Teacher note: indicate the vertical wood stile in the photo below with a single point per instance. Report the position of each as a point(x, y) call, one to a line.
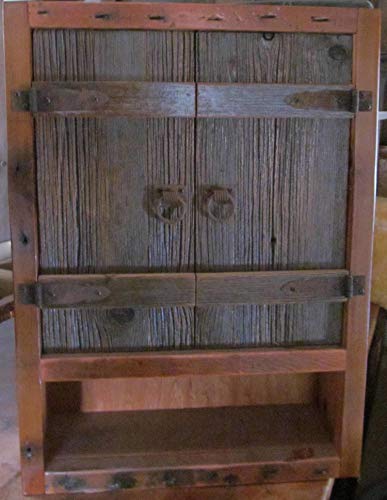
point(4, 222)
point(23, 214)
point(360, 235)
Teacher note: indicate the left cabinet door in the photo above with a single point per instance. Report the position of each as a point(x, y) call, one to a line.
point(100, 181)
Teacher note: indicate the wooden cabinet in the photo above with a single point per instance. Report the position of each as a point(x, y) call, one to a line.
point(192, 192)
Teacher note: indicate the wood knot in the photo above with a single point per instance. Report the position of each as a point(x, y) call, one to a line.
point(338, 53)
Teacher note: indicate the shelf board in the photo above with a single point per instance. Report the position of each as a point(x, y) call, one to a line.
point(73, 367)
point(190, 447)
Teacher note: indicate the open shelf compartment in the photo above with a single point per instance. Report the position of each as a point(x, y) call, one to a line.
point(188, 447)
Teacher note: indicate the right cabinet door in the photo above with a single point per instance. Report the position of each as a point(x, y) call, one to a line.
point(271, 192)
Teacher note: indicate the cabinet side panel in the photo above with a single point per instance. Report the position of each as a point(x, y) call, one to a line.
point(360, 240)
point(23, 215)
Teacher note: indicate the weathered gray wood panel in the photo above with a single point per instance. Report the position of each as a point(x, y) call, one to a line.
point(289, 178)
point(96, 179)
point(289, 181)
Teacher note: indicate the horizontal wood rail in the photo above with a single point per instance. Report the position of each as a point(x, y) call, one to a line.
point(92, 452)
point(190, 289)
point(224, 100)
point(72, 367)
point(120, 290)
point(193, 16)
point(277, 287)
point(277, 100)
point(135, 99)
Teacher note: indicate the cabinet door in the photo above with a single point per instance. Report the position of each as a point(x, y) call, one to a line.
point(288, 177)
point(97, 179)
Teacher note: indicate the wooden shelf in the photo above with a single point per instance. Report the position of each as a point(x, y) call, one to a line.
point(201, 447)
point(72, 367)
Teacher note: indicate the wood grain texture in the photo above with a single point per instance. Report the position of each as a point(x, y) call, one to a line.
point(202, 17)
point(274, 101)
point(181, 447)
point(132, 99)
point(25, 242)
point(94, 217)
point(4, 218)
point(271, 287)
point(289, 180)
point(199, 391)
point(312, 490)
point(114, 291)
point(243, 362)
point(360, 240)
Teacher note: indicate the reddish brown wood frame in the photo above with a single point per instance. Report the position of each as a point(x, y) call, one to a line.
point(360, 238)
point(20, 18)
point(201, 17)
point(23, 217)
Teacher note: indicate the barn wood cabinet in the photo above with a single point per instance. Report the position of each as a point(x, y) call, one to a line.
point(192, 193)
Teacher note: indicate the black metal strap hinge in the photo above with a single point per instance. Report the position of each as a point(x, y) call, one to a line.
point(50, 98)
point(361, 101)
point(30, 294)
point(355, 285)
point(24, 100)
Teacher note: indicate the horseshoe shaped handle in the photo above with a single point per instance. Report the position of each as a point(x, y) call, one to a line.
point(172, 201)
point(220, 204)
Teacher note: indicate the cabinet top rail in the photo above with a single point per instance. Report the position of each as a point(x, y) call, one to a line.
point(192, 16)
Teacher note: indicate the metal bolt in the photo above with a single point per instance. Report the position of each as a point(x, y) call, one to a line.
point(28, 452)
point(268, 36)
point(3, 163)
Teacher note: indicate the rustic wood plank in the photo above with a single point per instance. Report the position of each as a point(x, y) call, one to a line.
point(23, 215)
point(312, 490)
point(93, 217)
point(188, 289)
point(132, 99)
point(276, 169)
point(179, 392)
point(199, 17)
point(239, 362)
point(188, 447)
point(264, 100)
point(275, 287)
point(360, 236)
point(118, 291)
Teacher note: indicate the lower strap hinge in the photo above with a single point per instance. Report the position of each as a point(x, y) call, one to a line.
point(354, 286)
